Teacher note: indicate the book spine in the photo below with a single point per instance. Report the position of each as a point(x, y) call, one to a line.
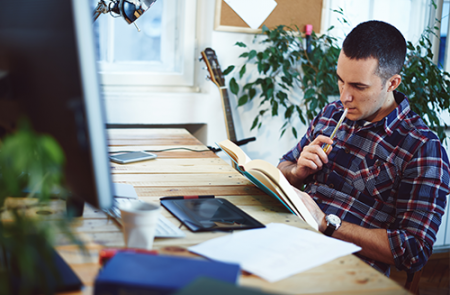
point(113, 288)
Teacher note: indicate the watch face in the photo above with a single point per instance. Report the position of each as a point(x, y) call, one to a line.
point(333, 219)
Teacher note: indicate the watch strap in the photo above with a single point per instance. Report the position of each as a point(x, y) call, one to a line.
point(329, 230)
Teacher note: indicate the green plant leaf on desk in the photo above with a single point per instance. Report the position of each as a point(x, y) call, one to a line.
point(29, 162)
point(31, 165)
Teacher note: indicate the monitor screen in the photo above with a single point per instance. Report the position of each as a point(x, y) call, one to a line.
point(48, 74)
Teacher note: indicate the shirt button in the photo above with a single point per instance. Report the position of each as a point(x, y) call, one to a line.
point(331, 185)
point(347, 151)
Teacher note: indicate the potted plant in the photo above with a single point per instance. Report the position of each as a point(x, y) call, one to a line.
point(30, 175)
point(273, 76)
point(286, 65)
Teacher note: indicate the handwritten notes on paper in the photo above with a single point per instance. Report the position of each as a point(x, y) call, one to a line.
point(275, 252)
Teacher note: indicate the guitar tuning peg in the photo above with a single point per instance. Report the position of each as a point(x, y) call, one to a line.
point(207, 78)
point(204, 68)
point(200, 58)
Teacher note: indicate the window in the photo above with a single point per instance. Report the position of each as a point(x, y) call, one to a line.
point(411, 21)
point(443, 35)
point(161, 54)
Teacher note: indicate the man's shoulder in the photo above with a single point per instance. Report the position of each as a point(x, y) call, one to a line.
point(421, 140)
point(414, 125)
point(411, 124)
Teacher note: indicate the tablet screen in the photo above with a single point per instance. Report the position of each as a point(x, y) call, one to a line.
point(210, 214)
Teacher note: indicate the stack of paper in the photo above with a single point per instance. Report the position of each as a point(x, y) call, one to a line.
point(275, 252)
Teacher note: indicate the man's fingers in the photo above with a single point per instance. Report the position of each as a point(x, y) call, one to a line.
point(311, 160)
point(321, 140)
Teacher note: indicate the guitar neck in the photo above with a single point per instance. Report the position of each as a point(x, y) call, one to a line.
point(227, 114)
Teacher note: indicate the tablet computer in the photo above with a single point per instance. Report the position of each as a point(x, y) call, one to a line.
point(209, 213)
point(130, 157)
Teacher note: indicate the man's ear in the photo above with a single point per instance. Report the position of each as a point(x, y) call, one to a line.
point(393, 82)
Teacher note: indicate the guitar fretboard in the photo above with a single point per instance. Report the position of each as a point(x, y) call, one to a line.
point(231, 132)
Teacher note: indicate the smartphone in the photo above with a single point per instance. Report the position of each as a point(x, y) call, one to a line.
point(130, 157)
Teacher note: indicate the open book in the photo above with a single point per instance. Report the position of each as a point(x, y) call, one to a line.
point(269, 179)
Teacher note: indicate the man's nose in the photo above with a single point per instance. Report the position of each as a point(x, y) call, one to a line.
point(346, 94)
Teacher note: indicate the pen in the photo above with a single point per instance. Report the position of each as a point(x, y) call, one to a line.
point(188, 197)
point(327, 146)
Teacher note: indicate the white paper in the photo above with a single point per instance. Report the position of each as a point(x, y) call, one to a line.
point(252, 12)
point(275, 252)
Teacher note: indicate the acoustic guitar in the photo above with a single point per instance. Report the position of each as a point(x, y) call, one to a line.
point(216, 76)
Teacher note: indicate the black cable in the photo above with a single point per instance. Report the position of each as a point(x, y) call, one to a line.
point(158, 151)
point(213, 149)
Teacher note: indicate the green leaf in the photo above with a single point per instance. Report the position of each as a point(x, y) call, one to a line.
point(255, 123)
point(288, 113)
point(242, 100)
point(228, 70)
point(242, 71)
point(281, 95)
point(269, 93)
point(294, 131)
point(252, 93)
point(234, 87)
point(275, 109)
point(240, 44)
point(309, 93)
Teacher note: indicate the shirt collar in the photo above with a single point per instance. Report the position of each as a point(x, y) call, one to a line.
point(394, 118)
point(398, 114)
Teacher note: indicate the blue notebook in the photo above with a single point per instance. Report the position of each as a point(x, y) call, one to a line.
point(135, 273)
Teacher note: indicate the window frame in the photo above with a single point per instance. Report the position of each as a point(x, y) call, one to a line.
point(134, 76)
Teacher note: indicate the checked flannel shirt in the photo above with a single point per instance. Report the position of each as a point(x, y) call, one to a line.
point(392, 174)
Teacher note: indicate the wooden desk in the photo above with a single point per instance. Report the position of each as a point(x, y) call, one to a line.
point(181, 172)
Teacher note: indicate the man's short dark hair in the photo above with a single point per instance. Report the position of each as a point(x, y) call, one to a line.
point(379, 40)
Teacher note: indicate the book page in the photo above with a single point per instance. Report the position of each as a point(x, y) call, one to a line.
point(235, 152)
point(277, 177)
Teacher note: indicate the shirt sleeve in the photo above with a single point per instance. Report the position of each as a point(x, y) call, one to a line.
point(420, 205)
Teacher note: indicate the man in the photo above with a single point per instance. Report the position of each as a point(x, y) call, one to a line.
point(384, 182)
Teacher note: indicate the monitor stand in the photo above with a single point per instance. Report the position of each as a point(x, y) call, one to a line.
point(74, 206)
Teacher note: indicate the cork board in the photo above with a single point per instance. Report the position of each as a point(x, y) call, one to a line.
point(287, 12)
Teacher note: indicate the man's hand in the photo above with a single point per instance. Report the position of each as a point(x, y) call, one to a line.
point(310, 161)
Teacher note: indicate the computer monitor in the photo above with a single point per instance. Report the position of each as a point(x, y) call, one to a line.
point(48, 72)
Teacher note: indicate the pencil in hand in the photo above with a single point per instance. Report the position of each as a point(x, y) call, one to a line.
point(327, 146)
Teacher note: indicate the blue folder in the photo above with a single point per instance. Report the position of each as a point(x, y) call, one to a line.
point(135, 273)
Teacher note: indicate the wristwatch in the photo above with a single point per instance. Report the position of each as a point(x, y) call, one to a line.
point(333, 223)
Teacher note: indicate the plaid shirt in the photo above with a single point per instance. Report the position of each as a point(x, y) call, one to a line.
point(392, 174)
